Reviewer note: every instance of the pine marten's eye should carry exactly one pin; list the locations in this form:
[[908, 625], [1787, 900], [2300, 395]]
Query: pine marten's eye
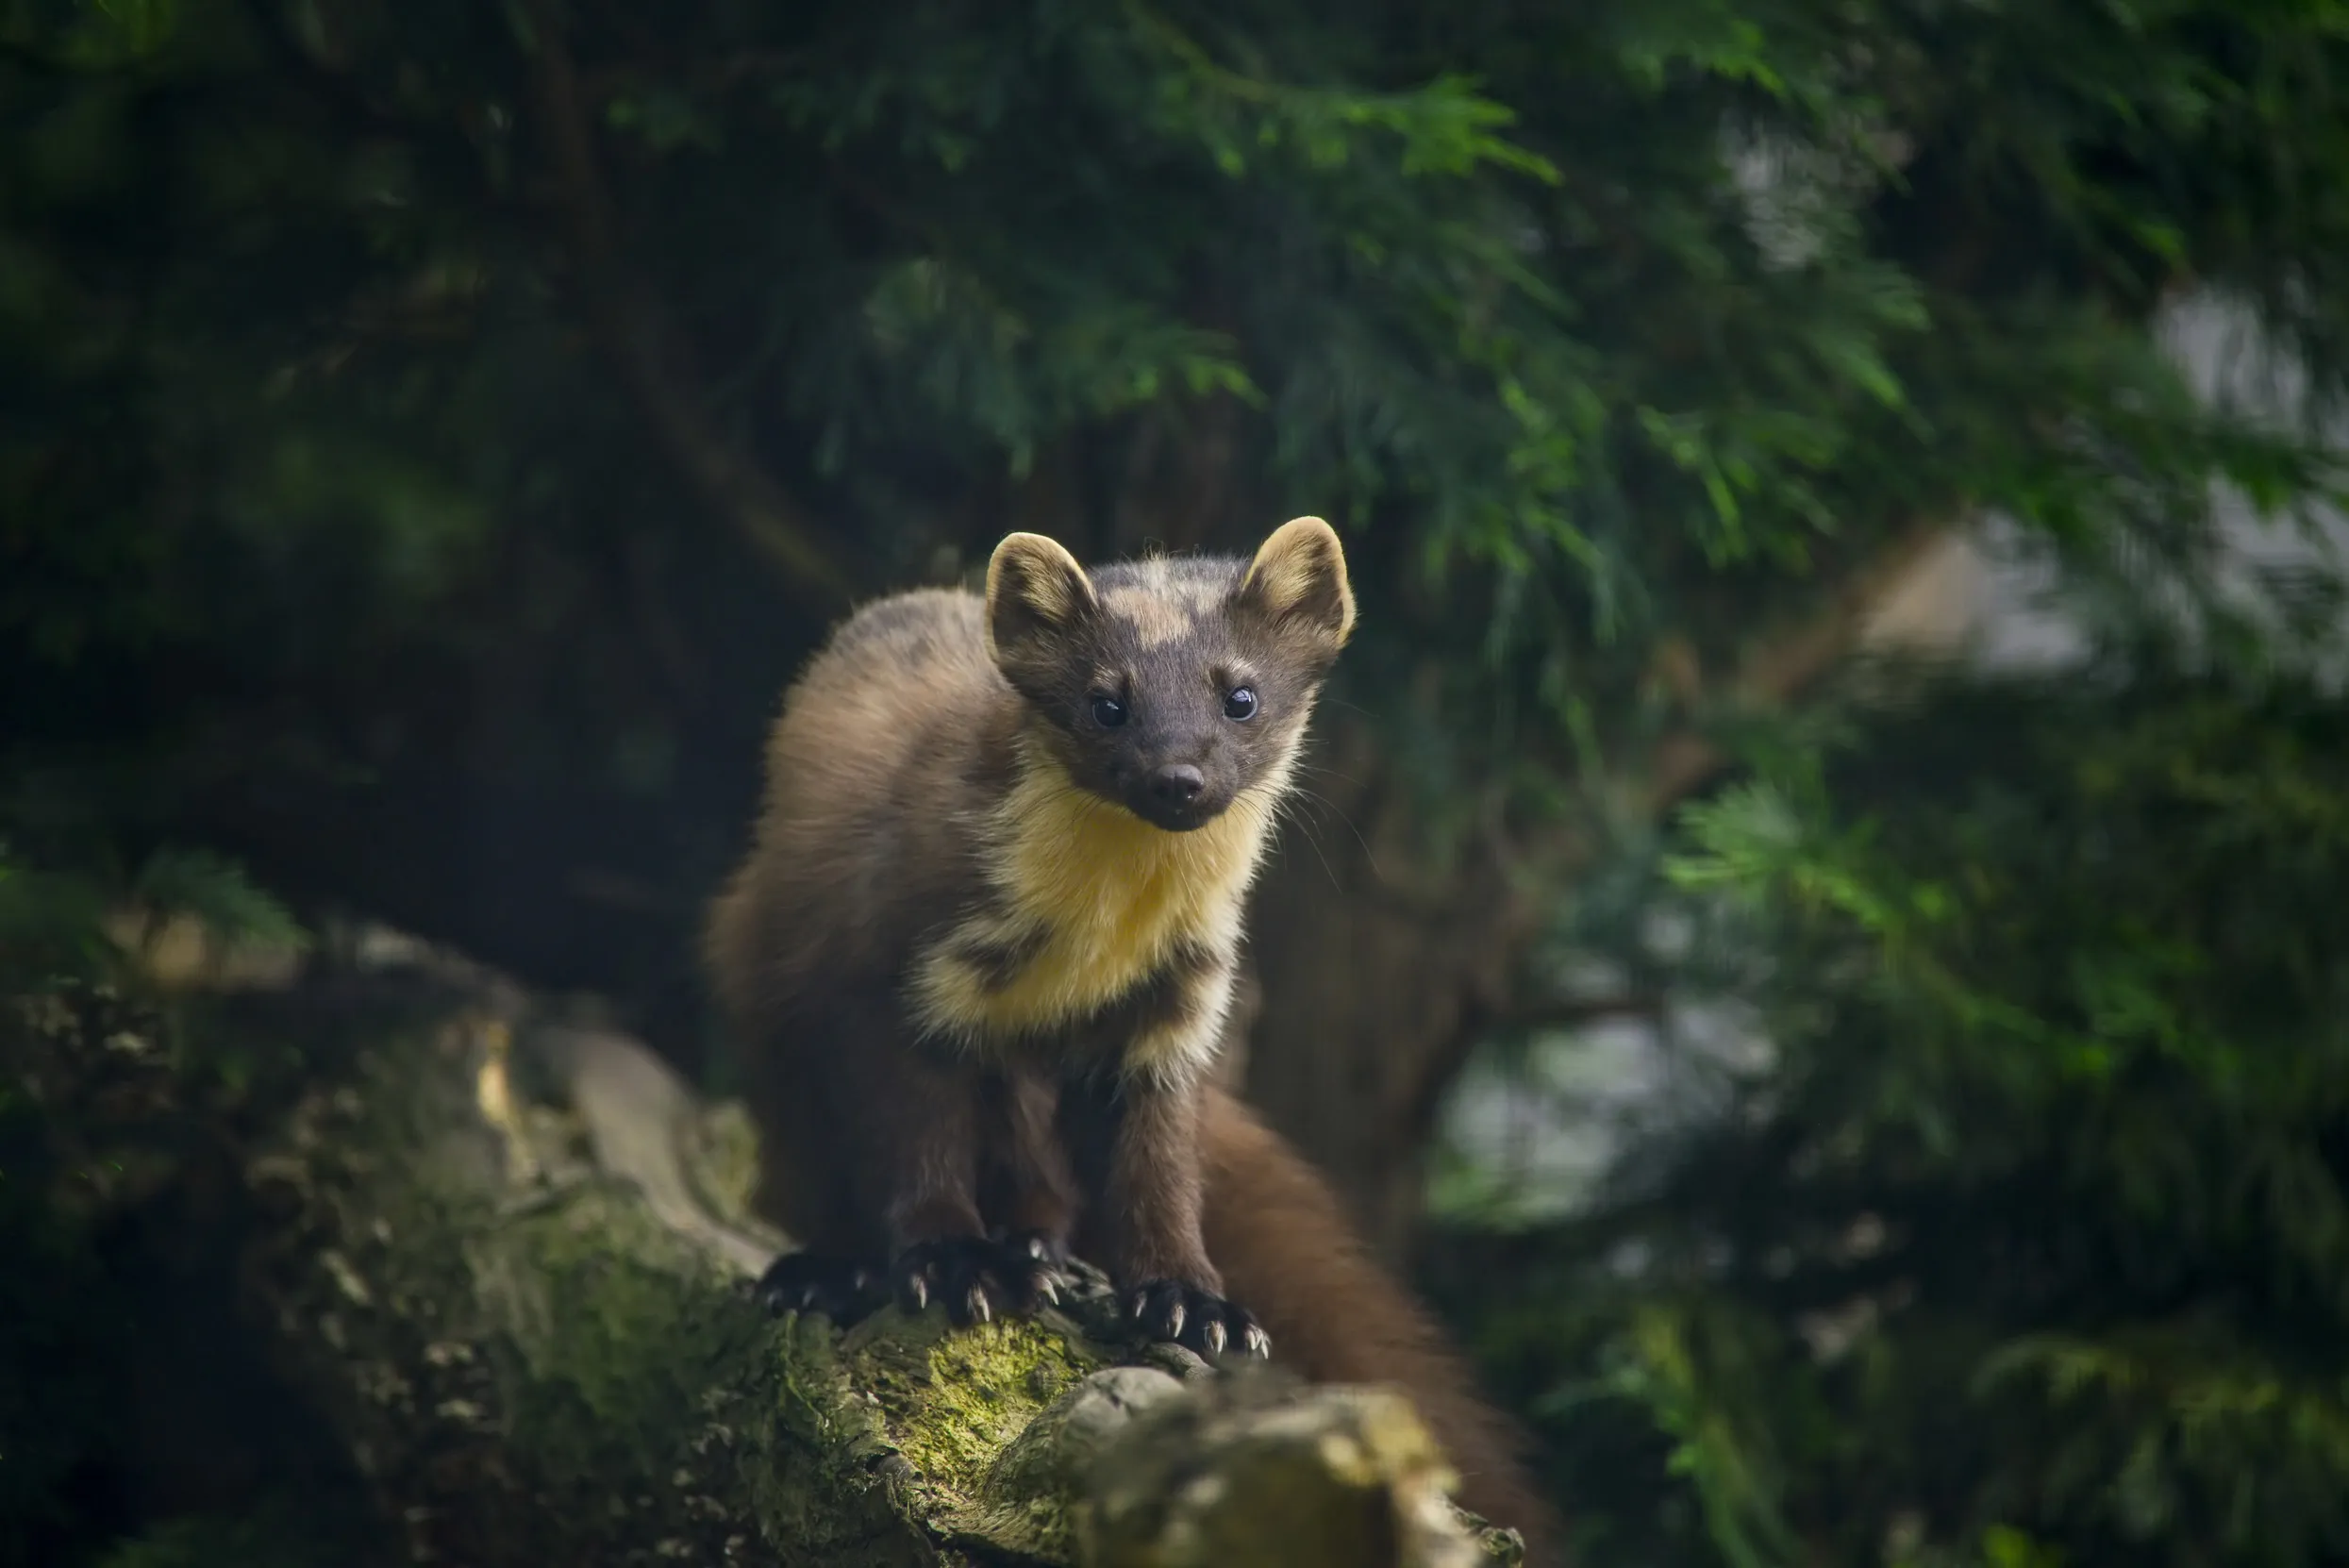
[[1240, 704], [1108, 712]]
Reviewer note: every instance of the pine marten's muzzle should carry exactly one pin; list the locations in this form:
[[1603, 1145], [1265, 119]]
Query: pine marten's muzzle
[[1175, 796]]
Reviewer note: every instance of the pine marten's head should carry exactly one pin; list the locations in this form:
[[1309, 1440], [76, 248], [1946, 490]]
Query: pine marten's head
[[1172, 687]]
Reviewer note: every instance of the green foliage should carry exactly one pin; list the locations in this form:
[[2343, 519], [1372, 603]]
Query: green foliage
[[2036, 1219], [215, 892], [54, 918], [198, 1542], [1607, 331]]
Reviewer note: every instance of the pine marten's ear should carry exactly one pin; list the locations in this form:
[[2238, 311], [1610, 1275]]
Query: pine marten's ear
[[1298, 580], [1034, 590]]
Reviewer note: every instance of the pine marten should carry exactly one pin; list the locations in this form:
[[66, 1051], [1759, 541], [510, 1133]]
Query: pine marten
[[980, 955]]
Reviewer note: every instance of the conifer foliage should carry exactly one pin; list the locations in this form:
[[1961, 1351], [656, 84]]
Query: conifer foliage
[[2025, 1245]]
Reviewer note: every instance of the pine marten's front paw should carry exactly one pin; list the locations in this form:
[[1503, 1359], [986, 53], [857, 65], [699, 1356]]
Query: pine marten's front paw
[[1043, 1246], [838, 1287], [1195, 1319], [974, 1277]]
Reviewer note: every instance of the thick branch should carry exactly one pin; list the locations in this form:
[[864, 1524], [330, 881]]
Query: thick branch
[[1784, 667], [503, 1254]]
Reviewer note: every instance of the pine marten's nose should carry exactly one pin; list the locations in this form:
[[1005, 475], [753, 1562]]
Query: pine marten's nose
[[1177, 784]]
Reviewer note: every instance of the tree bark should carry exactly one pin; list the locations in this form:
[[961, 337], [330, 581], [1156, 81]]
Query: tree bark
[[1377, 977]]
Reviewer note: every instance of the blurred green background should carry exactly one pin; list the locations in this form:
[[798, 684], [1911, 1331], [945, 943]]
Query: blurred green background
[[1814, 928]]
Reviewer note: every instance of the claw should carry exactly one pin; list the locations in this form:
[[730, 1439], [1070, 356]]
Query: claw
[[1259, 1342], [1215, 1337], [813, 1285], [975, 1277]]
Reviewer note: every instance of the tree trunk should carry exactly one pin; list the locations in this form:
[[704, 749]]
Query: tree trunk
[[1379, 973]]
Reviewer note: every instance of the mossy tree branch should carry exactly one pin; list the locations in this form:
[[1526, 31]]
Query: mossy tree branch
[[501, 1251]]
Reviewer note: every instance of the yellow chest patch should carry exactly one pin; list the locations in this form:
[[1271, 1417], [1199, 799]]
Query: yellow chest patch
[[1098, 899]]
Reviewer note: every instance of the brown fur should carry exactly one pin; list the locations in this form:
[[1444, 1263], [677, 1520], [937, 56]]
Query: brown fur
[[1283, 1242], [980, 955]]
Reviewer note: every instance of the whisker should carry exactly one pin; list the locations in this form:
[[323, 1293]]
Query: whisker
[[1299, 795], [1312, 839], [1307, 792], [1328, 772]]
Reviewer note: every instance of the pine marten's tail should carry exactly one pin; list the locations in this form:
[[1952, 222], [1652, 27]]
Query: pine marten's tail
[[1288, 1254]]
